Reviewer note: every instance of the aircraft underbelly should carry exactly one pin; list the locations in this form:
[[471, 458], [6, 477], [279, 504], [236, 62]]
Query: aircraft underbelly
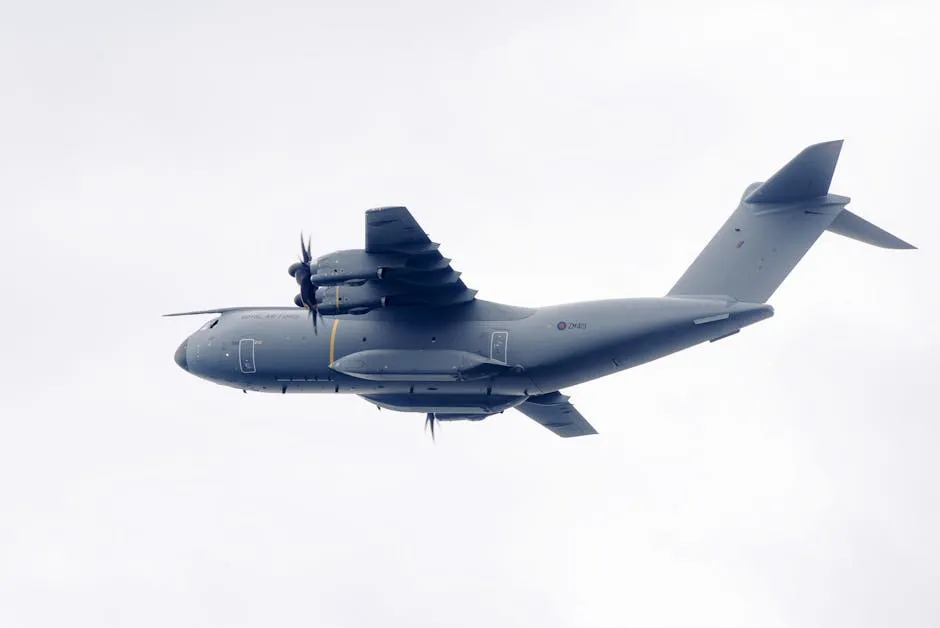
[[454, 404], [608, 346]]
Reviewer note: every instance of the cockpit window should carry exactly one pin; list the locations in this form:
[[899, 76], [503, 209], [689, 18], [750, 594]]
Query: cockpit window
[[210, 324]]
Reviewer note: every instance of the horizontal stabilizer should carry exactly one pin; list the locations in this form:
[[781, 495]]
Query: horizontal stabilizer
[[806, 176], [852, 226]]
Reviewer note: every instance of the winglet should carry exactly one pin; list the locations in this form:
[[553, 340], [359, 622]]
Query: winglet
[[806, 176]]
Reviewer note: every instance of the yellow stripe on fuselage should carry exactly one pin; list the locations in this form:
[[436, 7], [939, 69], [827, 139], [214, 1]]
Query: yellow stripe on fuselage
[[333, 339]]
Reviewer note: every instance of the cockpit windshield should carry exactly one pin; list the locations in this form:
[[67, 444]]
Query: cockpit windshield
[[210, 324]]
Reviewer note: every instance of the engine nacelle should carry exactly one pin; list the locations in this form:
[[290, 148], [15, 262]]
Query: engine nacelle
[[357, 299], [292, 270], [352, 266]]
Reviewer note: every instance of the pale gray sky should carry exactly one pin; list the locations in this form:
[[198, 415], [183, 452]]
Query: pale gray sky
[[164, 156]]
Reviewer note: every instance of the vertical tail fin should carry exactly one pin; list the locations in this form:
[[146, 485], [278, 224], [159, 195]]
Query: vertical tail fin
[[806, 176], [773, 227]]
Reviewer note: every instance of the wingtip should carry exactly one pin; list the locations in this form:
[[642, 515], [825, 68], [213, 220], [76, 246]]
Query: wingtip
[[224, 310], [174, 314]]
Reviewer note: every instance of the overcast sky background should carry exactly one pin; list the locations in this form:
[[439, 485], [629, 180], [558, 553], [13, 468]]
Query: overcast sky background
[[163, 156]]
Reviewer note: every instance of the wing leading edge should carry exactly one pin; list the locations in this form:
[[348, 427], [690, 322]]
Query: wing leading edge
[[556, 412]]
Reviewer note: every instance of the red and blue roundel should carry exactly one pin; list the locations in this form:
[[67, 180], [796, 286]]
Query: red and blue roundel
[[561, 325]]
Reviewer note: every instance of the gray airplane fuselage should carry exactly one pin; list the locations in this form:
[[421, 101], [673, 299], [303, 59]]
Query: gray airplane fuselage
[[401, 329], [535, 351]]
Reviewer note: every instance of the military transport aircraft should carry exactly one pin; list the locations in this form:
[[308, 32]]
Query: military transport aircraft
[[394, 323]]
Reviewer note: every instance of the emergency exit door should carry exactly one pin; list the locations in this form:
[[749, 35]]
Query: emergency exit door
[[499, 346], [246, 355]]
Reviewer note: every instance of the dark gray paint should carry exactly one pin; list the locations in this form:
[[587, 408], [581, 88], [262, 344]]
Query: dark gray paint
[[472, 358]]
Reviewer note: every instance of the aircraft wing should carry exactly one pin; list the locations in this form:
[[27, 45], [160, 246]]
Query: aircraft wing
[[556, 412], [423, 276]]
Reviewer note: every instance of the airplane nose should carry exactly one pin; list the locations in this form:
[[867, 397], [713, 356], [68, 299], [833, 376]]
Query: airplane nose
[[180, 355]]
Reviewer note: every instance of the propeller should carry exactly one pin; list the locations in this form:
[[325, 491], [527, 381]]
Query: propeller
[[429, 422], [300, 271]]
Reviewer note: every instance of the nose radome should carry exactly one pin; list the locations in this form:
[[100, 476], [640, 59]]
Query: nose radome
[[180, 355]]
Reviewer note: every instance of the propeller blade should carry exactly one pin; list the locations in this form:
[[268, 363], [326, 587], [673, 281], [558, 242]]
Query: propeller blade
[[429, 421], [300, 271]]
